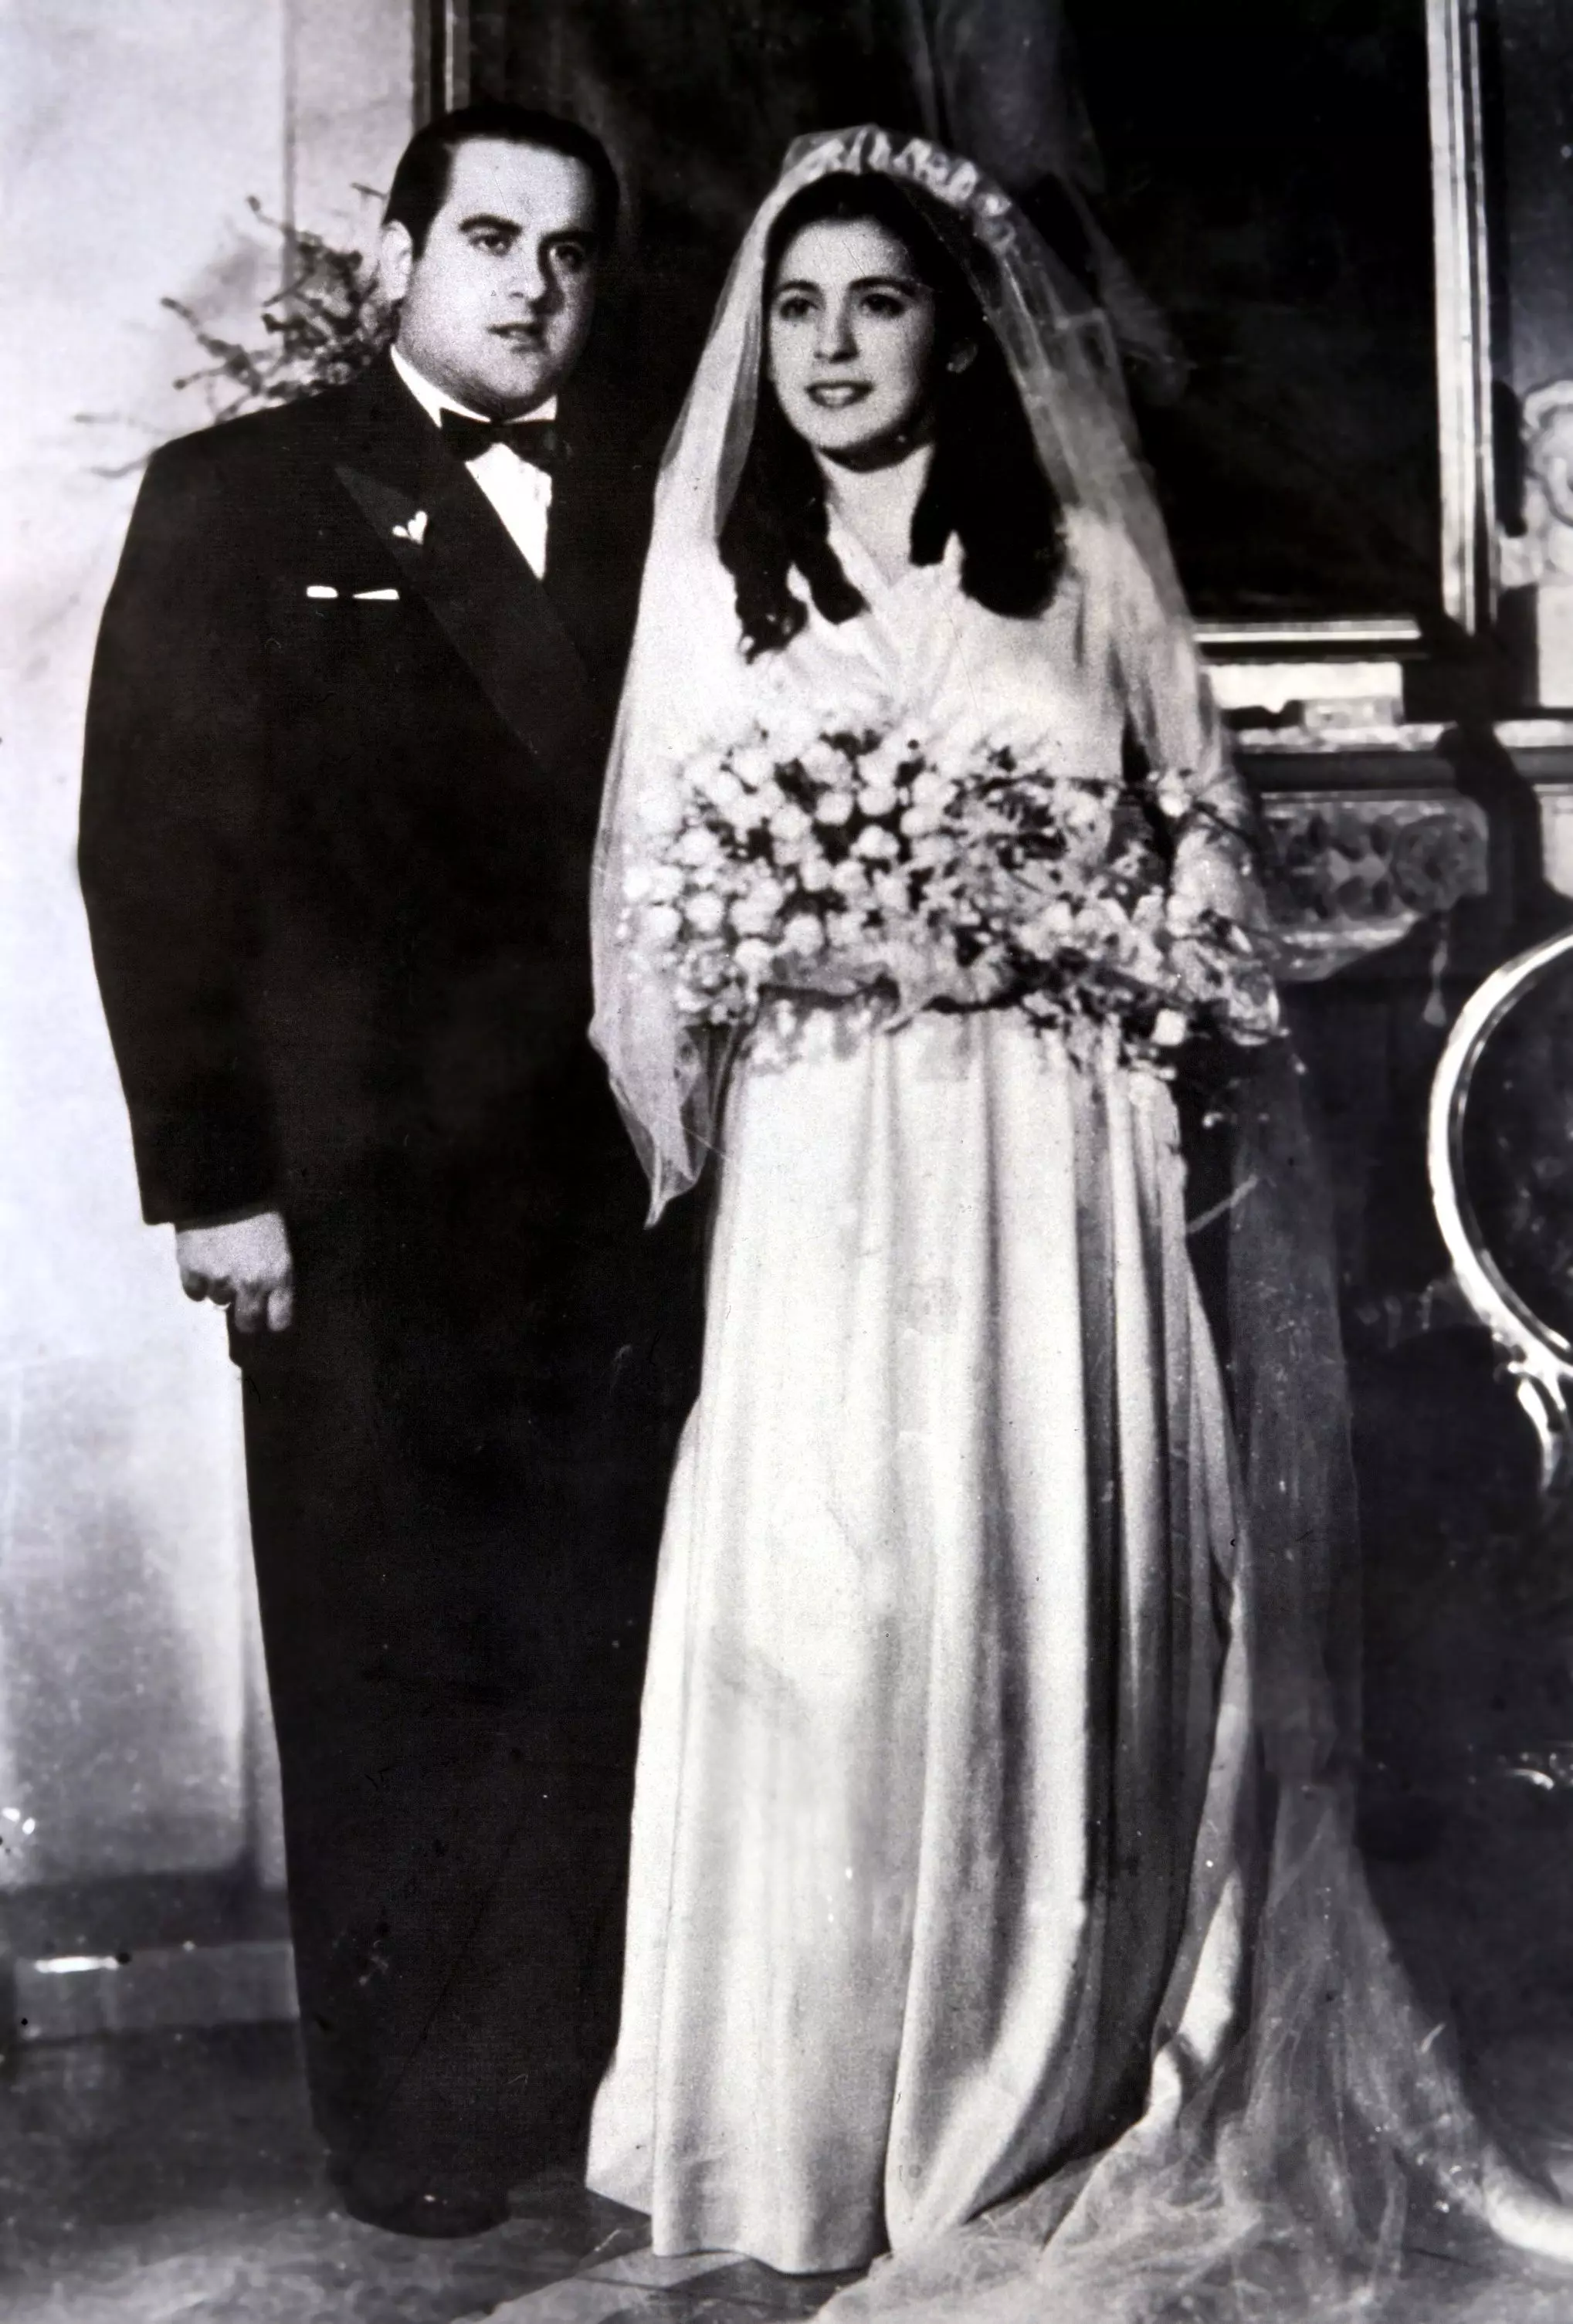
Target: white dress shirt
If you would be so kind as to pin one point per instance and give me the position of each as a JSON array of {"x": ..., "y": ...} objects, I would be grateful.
[{"x": 520, "y": 492}]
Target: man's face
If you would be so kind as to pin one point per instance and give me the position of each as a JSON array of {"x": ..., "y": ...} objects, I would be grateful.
[{"x": 497, "y": 306}]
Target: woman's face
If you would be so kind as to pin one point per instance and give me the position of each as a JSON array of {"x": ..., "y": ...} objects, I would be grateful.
[{"x": 850, "y": 339}]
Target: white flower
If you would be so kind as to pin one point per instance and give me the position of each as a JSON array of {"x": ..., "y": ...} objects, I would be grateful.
[
  {"x": 849, "y": 880},
  {"x": 814, "y": 874},
  {"x": 656, "y": 883},
  {"x": 662, "y": 924},
  {"x": 1173, "y": 795},
  {"x": 705, "y": 911},
  {"x": 834, "y": 810},
  {"x": 789, "y": 821},
  {"x": 660, "y": 813},
  {"x": 751, "y": 765},
  {"x": 1169, "y": 1029},
  {"x": 874, "y": 843},
  {"x": 725, "y": 793},
  {"x": 753, "y": 912},
  {"x": 1081, "y": 813},
  {"x": 697, "y": 846},
  {"x": 930, "y": 854},
  {"x": 1048, "y": 930},
  {"x": 823, "y": 763},
  {"x": 880, "y": 768},
  {"x": 804, "y": 934},
  {"x": 708, "y": 969},
  {"x": 878, "y": 798},
  {"x": 753, "y": 958}
]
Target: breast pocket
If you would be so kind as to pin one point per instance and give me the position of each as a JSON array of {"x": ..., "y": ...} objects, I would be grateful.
[
  {"x": 333, "y": 639},
  {"x": 321, "y": 593}
]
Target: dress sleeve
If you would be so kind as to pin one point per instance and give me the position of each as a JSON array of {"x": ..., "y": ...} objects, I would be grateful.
[
  {"x": 1171, "y": 707},
  {"x": 1219, "y": 841}
]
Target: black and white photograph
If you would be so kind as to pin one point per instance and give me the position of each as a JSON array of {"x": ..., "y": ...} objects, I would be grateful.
[{"x": 786, "y": 1182}]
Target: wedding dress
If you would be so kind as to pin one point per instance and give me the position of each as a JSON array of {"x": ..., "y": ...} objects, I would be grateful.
[
  {"x": 993, "y": 1899},
  {"x": 947, "y": 1581}
]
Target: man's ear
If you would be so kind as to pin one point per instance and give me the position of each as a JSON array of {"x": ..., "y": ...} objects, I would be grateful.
[{"x": 395, "y": 263}]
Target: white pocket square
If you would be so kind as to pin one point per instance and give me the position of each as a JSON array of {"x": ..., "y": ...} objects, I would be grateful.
[
  {"x": 320, "y": 589},
  {"x": 414, "y": 532},
  {"x": 381, "y": 597}
]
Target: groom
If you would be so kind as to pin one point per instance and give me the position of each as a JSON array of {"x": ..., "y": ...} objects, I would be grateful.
[{"x": 349, "y": 719}]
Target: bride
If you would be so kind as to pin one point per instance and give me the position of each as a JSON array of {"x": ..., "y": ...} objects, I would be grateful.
[{"x": 991, "y": 1855}]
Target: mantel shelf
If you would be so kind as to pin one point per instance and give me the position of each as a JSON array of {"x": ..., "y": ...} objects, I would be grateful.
[
  {"x": 1336, "y": 742},
  {"x": 1552, "y": 732}
]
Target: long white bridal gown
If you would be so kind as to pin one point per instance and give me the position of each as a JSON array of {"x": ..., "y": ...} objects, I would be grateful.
[{"x": 935, "y": 1880}]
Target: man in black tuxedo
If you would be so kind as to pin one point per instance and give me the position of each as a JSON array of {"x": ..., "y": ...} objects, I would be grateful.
[{"x": 347, "y": 725}]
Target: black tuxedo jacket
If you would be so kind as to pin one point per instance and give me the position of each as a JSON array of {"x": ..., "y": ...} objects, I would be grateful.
[{"x": 343, "y": 766}]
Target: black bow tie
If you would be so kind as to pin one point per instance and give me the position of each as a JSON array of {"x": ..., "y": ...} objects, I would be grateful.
[{"x": 535, "y": 440}]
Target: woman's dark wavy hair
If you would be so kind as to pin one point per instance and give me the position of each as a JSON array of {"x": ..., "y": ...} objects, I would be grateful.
[{"x": 985, "y": 484}]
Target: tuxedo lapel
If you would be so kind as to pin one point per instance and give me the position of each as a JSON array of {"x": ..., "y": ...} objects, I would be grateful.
[{"x": 429, "y": 513}]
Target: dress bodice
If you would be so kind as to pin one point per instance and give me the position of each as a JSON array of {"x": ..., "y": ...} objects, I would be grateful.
[
  {"x": 1103, "y": 659},
  {"x": 936, "y": 658}
]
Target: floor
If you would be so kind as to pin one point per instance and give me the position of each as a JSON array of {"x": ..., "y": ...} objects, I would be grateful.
[
  {"x": 173, "y": 2179},
  {"x": 154, "y": 2178}
]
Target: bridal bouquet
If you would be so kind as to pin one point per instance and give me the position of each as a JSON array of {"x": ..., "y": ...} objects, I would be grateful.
[{"x": 944, "y": 869}]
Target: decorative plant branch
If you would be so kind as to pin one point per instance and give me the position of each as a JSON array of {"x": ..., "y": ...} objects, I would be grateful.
[
  {"x": 326, "y": 321},
  {"x": 324, "y": 324}
]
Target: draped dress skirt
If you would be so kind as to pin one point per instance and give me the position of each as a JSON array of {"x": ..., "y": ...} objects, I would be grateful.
[{"x": 946, "y": 1709}]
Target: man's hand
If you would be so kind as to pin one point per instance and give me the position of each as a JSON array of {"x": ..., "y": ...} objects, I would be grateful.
[{"x": 245, "y": 1266}]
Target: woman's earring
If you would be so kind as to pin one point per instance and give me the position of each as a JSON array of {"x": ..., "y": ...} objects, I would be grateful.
[{"x": 961, "y": 358}]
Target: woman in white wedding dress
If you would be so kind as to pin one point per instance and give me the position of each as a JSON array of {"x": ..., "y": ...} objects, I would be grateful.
[{"x": 991, "y": 1837}]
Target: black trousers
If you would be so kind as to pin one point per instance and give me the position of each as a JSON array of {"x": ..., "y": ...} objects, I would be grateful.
[{"x": 456, "y": 1488}]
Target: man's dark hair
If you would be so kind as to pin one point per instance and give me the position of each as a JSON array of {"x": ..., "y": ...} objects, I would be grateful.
[
  {"x": 425, "y": 170},
  {"x": 987, "y": 484}
]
